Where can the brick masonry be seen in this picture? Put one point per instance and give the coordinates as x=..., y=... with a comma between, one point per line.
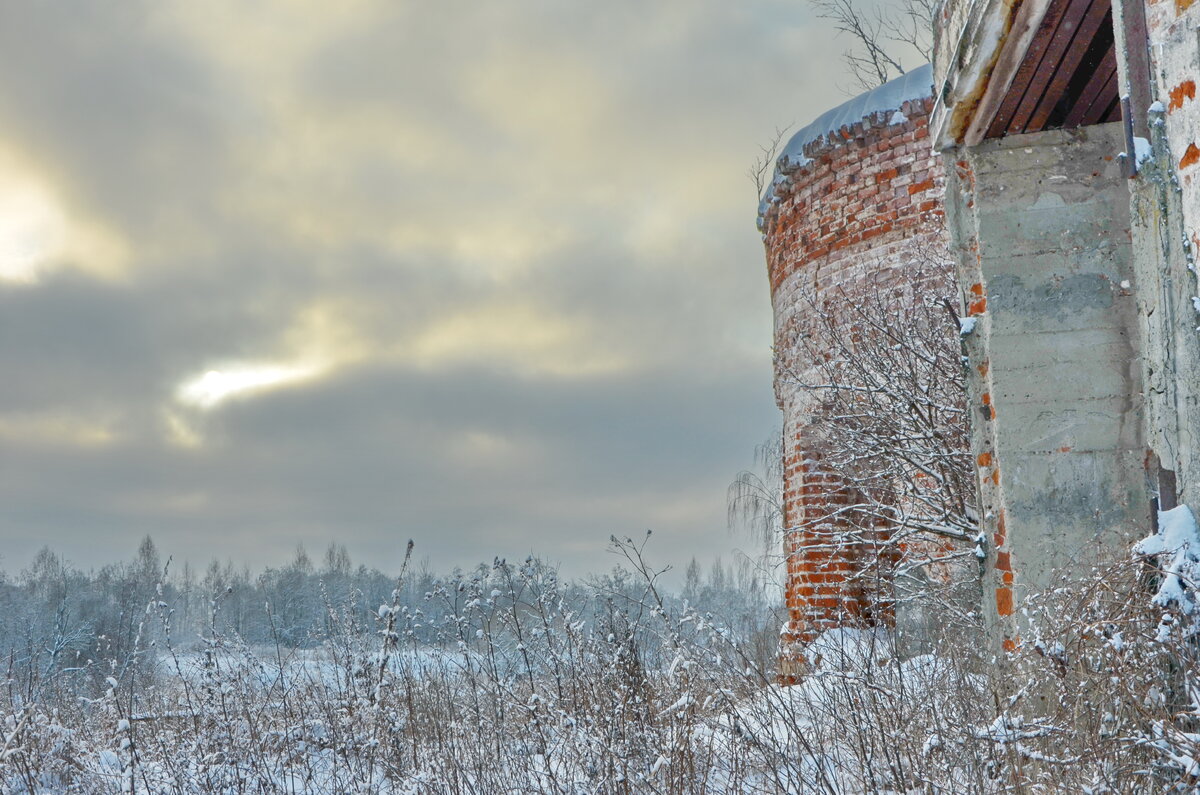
x=863, y=211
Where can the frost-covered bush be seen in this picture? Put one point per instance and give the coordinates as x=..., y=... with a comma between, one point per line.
x=507, y=679
x=1104, y=695
x=500, y=679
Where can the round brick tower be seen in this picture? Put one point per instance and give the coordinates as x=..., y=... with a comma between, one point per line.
x=856, y=203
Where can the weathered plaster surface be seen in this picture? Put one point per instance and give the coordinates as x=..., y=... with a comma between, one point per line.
x=1165, y=208
x=1173, y=29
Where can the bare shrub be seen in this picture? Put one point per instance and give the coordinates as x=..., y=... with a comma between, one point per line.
x=878, y=367
x=507, y=679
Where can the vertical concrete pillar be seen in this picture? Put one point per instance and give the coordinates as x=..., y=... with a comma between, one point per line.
x=1040, y=226
x=1159, y=45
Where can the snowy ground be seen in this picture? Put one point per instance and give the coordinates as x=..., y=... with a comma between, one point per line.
x=522, y=695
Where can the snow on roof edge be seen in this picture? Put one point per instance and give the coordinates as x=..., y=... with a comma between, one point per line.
x=914, y=84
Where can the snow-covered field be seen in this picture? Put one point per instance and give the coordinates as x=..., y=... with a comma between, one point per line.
x=444, y=720
x=514, y=691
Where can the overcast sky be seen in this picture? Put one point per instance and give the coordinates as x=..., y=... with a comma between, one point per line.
x=482, y=274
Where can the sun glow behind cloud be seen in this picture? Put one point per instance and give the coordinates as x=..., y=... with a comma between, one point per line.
x=33, y=229
x=212, y=388
x=319, y=342
x=38, y=233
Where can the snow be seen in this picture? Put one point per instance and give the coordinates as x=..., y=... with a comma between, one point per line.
x=1157, y=107
x=1142, y=149
x=680, y=705
x=966, y=325
x=849, y=648
x=109, y=762
x=1178, y=539
x=916, y=84
x=1006, y=729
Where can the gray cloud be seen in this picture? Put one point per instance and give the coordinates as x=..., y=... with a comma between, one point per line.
x=517, y=237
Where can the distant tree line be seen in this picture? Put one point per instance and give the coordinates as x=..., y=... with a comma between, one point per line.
x=57, y=619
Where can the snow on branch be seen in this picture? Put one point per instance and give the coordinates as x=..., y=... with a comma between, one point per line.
x=1178, y=541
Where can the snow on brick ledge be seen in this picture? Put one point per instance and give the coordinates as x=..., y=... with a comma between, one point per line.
x=879, y=106
x=857, y=208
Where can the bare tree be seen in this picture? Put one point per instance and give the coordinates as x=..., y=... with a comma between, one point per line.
x=755, y=497
x=881, y=37
x=763, y=168
x=881, y=370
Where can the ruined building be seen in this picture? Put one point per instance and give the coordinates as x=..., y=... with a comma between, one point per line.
x=1064, y=136
x=1069, y=134
x=855, y=208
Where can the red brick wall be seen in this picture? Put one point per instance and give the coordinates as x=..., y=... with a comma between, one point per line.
x=862, y=212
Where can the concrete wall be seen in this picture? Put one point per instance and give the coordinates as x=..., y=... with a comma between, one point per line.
x=1168, y=323
x=1040, y=226
x=1165, y=209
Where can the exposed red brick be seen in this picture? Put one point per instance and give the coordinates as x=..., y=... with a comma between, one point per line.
x=920, y=187
x=1004, y=601
x=1180, y=94
x=846, y=216
x=1191, y=156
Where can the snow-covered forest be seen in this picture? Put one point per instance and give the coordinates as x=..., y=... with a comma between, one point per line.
x=322, y=676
